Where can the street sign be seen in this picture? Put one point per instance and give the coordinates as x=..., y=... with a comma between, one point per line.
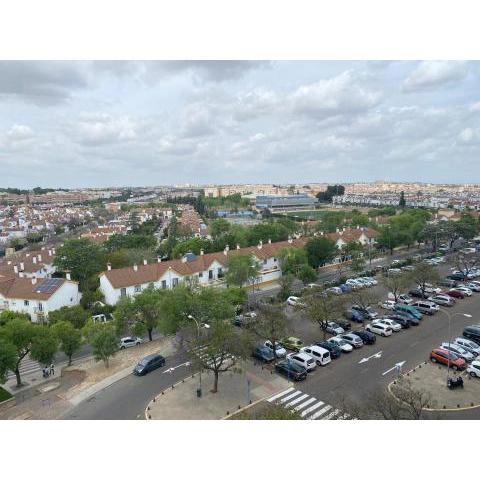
x=397, y=367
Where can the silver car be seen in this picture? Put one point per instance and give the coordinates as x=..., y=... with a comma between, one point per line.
x=458, y=350
x=468, y=345
x=444, y=300
x=352, y=339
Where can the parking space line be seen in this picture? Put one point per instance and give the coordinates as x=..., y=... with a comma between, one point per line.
x=312, y=408
x=294, y=402
x=281, y=394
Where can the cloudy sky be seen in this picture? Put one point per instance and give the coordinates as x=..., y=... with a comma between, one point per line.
x=152, y=123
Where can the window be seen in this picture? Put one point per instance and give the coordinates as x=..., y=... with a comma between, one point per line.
x=274, y=259
x=200, y=275
x=123, y=292
x=164, y=284
x=265, y=262
x=151, y=285
x=175, y=282
x=138, y=288
x=40, y=306
x=26, y=303
x=210, y=274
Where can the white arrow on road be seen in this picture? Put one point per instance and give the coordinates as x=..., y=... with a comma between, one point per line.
x=398, y=366
x=172, y=369
x=375, y=355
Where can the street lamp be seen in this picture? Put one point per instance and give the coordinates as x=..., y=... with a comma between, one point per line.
x=450, y=316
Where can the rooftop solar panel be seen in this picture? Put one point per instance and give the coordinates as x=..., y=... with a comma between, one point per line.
x=49, y=285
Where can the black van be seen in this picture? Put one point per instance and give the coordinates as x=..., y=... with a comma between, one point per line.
x=149, y=363
x=472, y=332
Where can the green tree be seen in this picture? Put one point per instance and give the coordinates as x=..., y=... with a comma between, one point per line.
x=219, y=227
x=44, y=345
x=8, y=359
x=307, y=274
x=104, y=343
x=70, y=338
x=424, y=274
x=82, y=258
x=358, y=263
x=75, y=315
x=467, y=226
x=286, y=284
x=292, y=259
x=320, y=250
x=397, y=284
x=242, y=270
x=402, y=203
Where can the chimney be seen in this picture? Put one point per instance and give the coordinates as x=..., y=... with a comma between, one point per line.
x=40, y=257
x=34, y=259
x=290, y=240
x=22, y=266
x=269, y=240
x=201, y=252
x=227, y=248
x=225, y=251
x=159, y=259
x=145, y=262
x=238, y=246
x=109, y=266
x=15, y=268
x=49, y=253
x=135, y=267
x=260, y=244
x=34, y=280
x=338, y=230
x=68, y=276
x=321, y=233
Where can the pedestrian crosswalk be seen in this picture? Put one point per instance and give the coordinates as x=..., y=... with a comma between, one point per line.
x=206, y=358
x=27, y=366
x=309, y=408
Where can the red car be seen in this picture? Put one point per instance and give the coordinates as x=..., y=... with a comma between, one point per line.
x=455, y=294
x=443, y=356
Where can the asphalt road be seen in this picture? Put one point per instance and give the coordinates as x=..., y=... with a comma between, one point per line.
x=128, y=398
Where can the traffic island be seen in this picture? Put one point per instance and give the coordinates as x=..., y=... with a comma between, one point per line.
x=235, y=391
x=432, y=379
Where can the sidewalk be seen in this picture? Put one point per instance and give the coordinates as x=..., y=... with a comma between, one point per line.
x=235, y=390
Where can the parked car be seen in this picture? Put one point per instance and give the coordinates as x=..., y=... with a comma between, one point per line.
x=354, y=284
x=469, y=345
x=429, y=288
x=371, y=280
x=263, y=353
x=402, y=321
x=379, y=329
x=148, y=364
x=466, y=291
x=402, y=298
x=474, y=369
x=354, y=315
x=393, y=271
x=314, y=285
x=127, y=342
x=442, y=299
x=335, y=290
x=448, y=283
x=455, y=294
x=335, y=351
x=472, y=332
x=354, y=340
x=399, y=317
x=334, y=328
x=368, y=338
x=369, y=313
x=445, y=357
x=320, y=355
x=387, y=304
x=341, y=343
x=302, y=360
x=345, y=288
x=279, y=350
x=409, y=310
x=388, y=322
x=427, y=307
x=474, y=287
x=345, y=324
x=292, y=343
x=417, y=293
x=458, y=350
x=291, y=370
x=456, y=276
x=295, y=301
x=244, y=319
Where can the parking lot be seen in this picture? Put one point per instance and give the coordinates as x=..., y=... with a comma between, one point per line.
x=354, y=375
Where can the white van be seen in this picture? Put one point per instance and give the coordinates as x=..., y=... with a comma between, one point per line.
x=303, y=360
x=379, y=329
x=319, y=354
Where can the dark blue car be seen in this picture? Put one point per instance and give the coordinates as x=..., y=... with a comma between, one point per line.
x=335, y=351
x=355, y=315
x=263, y=354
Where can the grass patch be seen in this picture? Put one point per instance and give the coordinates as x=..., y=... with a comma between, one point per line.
x=4, y=395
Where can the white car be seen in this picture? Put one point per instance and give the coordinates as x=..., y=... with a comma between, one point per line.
x=337, y=290
x=334, y=328
x=354, y=284
x=402, y=298
x=279, y=350
x=319, y=354
x=393, y=271
x=294, y=302
x=371, y=280
x=430, y=289
x=379, y=329
x=342, y=344
x=469, y=345
x=303, y=360
x=364, y=282
x=127, y=342
x=474, y=369
x=466, y=291
x=388, y=322
x=314, y=285
x=388, y=304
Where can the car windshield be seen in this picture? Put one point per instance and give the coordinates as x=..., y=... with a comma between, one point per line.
x=341, y=342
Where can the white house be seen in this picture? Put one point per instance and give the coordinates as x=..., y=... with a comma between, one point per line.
x=206, y=269
x=37, y=297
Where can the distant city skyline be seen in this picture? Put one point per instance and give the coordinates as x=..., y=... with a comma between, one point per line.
x=132, y=123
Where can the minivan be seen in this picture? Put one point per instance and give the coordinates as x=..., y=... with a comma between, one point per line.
x=319, y=354
x=302, y=360
x=472, y=333
x=426, y=307
x=408, y=309
x=149, y=363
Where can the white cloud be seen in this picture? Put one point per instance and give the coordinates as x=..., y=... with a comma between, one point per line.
x=343, y=94
x=431, y=74
x=196, y=121
x=475, y=107
x=468, y=135
x=17, y=137
x=256, y=103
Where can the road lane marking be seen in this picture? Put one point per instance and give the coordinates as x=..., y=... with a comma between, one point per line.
x=304, y=404
x=297, y=400
x=281, y=394
x=312, y=408
x=290, y=396
x=319, y=413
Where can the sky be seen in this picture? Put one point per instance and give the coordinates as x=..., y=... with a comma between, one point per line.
x=133, y=123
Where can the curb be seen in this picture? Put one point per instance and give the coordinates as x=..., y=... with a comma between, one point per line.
x=458, y=409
